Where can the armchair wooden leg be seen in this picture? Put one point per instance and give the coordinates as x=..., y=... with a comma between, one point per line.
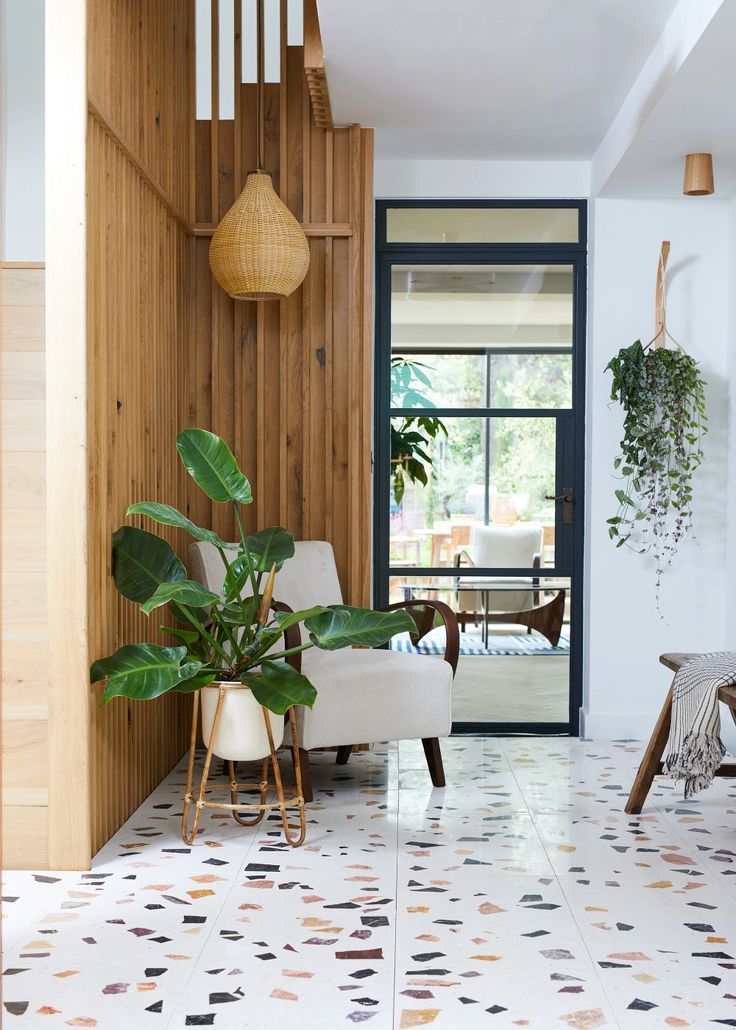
x=650, y=762
x=433, y=755
x=306, y=772
x=343, y=754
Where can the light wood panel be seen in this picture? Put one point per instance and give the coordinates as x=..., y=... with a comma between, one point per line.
x=291, y=381
x=25, y=755
x=66, y=439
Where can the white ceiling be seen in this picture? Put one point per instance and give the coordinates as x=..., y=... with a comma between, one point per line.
x=695, y=113
x=486, y=79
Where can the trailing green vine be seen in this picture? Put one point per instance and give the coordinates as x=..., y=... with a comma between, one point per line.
x=663, y=396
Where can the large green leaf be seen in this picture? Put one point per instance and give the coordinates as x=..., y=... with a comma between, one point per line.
x=212, y=466
x=267, y=547
x=284, y=620
x=168, y=516
x=341, y=626
x=202, y=679
x=185, y=591
x=141, y=562
x=236, y=576
x=143, y=671
x=278, y=687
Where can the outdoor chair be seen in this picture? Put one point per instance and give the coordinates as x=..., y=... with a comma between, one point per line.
x=500, y=547
x=363, y=695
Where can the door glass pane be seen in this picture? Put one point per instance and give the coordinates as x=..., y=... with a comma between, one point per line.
x=480, y=380
x=482, y=225
x=472, y=490
x=514, y=664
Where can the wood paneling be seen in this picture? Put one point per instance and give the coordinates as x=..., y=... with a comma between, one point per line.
x=291, y=381
x=142, y=342
x=25, y=758
x=138, y=344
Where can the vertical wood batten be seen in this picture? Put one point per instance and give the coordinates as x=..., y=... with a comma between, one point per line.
x=300, y=369
x=141, y=309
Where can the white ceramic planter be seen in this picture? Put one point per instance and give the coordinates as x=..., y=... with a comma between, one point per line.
x=241, y=733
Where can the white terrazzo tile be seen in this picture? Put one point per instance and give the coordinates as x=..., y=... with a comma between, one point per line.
x=521, y=895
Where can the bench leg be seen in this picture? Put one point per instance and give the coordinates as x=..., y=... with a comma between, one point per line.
x=343, y=754
x=433, y=755
x=650, y=763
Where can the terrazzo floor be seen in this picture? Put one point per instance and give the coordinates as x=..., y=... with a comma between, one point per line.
x=521, y=895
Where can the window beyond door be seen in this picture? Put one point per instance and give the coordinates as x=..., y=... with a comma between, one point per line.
x=479, y=450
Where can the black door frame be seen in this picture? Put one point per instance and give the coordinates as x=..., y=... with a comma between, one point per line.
x=571, y=254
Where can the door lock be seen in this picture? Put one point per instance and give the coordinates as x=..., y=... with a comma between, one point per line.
x=567, y=503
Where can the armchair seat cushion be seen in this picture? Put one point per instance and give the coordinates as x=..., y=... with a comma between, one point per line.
x=368, y=696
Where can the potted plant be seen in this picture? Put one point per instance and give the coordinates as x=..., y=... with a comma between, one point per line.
x=412, y=435
x=663, y=396
x=230, y=640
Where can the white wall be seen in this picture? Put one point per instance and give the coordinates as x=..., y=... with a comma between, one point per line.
x=407, y=178
x=23, y=130
x=624, y=685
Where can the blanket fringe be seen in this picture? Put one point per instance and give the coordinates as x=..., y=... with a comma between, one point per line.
x=697, y=752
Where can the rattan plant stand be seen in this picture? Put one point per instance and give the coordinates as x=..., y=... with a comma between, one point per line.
x=287, y=797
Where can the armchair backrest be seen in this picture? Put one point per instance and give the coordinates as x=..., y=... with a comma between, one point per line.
x=309, y=578
x=507, y=547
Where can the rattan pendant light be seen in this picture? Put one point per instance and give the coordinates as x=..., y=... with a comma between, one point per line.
x=259, y=250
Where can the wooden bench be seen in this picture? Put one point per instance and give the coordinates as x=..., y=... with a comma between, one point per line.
x=651, y=764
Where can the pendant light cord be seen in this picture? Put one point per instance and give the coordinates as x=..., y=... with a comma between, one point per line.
x=260, y=109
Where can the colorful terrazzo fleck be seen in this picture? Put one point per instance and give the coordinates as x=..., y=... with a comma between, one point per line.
x=520, y=896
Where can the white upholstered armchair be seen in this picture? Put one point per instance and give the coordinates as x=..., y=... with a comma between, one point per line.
x=363, y=696
x=501, y=547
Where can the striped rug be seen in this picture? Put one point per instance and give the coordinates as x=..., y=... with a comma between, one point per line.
x=499, y=644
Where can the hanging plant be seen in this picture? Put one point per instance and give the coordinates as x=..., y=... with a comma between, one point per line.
x=663, y=396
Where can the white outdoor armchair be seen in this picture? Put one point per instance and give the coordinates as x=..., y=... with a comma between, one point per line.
x=363, y=696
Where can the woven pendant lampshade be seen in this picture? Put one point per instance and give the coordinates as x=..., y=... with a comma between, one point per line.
x=259, y=250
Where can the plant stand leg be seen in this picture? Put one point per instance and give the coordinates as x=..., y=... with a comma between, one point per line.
x=190, y=837
x=190, y=766
x=237, y=816
x=288, y=830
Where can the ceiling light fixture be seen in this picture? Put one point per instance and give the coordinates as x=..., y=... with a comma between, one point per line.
x=698, y=175
x=259, y=250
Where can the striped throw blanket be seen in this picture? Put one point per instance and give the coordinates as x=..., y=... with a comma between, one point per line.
x=695, y=749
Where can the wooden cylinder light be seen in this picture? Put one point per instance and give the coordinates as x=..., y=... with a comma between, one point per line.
x=698, y=175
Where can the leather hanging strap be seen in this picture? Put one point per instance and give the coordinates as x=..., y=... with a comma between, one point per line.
x=660, y=328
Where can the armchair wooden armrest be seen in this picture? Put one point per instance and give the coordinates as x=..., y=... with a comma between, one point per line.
x=425, y=621
x=292, y=637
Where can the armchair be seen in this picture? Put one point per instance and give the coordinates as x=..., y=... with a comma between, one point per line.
x=512, y=547
x=363, y=695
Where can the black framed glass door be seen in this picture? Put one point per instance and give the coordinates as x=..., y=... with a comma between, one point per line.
x=479, y=446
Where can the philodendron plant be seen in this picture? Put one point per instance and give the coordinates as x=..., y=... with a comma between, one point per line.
x=231, y=636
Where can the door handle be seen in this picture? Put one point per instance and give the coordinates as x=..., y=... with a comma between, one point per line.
x=567, y=503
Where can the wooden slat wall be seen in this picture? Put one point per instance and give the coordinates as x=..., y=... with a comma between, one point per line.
x=158, y=346
x=141, y=386
x=25, y=771
x=291, y=381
